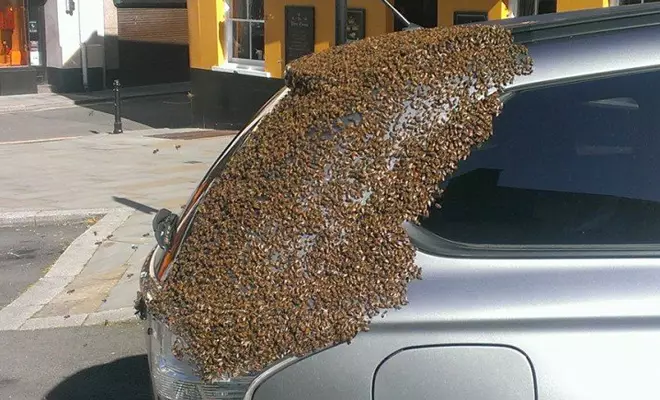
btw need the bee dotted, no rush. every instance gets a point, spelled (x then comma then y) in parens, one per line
(249, 285)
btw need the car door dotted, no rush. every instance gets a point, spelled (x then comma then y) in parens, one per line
(546, 241)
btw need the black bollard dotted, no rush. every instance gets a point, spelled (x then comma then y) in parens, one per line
(115, 88)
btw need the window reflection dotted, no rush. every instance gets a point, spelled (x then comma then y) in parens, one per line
(13, 42)
(247, 29)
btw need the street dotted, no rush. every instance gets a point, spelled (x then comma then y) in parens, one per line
(84, 342)
(167, 111)
(85, 363)
(95, 362)
(27, 252)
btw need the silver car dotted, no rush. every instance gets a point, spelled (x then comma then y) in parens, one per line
(541, 271)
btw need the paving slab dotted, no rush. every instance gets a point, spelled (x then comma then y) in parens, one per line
(124, 292)
(108, 262)
(132, 175)
(83, 177)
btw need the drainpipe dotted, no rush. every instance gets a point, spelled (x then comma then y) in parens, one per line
(83, 52)
(340, 10)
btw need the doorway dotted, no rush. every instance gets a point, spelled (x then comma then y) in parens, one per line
(37, 39)
(421, 12)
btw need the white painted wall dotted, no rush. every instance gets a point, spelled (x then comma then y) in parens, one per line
(93, 31)
(68, 36)
(111, 42)
(52, 33)
(64, 33)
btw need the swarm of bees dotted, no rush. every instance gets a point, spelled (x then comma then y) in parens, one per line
(299, 242)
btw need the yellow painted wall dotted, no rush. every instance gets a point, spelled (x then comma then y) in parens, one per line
(206, 24)
(496, 9)
(572, 5)
(376, 12)
(324, 30)
(205, 28)
(377, 22)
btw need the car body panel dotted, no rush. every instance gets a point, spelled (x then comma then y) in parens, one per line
(571, 317)
(456, 373)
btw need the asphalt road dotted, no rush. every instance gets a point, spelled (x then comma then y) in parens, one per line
(167, 111)
(83, 363)
(27, 252)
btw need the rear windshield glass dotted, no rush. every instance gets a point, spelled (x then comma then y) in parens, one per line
(566, 165)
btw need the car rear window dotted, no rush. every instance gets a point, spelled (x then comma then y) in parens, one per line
(573, 164)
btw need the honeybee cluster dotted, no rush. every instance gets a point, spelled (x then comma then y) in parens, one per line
(299, 242)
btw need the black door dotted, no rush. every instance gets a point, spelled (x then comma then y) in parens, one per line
(37, 39)
(421, 12)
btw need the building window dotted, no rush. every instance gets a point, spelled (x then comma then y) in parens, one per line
(468, 17)
(245, 32)
(535, 7)
(13, 41)
(627, 2)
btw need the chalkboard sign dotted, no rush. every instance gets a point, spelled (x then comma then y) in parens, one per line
(299, 32)
(355, 24)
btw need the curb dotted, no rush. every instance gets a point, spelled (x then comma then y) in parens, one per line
(83, 102)
(57, 139)
(42, 217)
(193, 134)
(20, 311)
(65, 102)
(91, 319)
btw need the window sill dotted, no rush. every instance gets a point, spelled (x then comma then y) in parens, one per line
(234, 68)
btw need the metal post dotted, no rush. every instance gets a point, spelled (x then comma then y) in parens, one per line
(115, 88)
(341, 7)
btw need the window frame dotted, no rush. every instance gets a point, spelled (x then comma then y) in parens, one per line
(236, 64)
(514, 7)
(431, 243)
(469, 14)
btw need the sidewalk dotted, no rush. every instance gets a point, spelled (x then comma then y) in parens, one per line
(48, 101)
(125, 178)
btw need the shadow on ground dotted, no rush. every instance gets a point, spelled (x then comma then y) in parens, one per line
(135, 205)
(163, 111)
(123, 379)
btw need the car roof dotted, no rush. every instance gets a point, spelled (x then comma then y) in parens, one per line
(589, 21)
(587, 43)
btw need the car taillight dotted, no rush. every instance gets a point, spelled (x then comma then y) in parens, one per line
(175, 379)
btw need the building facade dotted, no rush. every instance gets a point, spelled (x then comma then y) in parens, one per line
(78, 45)
(239, 48)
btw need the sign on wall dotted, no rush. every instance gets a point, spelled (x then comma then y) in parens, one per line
(33, 32)
(298, 32)
(355, 24)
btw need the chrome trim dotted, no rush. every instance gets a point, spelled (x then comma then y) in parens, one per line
(261, 378)
(155, 255)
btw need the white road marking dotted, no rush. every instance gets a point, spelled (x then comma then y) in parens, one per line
(57, 139)
(65, 269)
